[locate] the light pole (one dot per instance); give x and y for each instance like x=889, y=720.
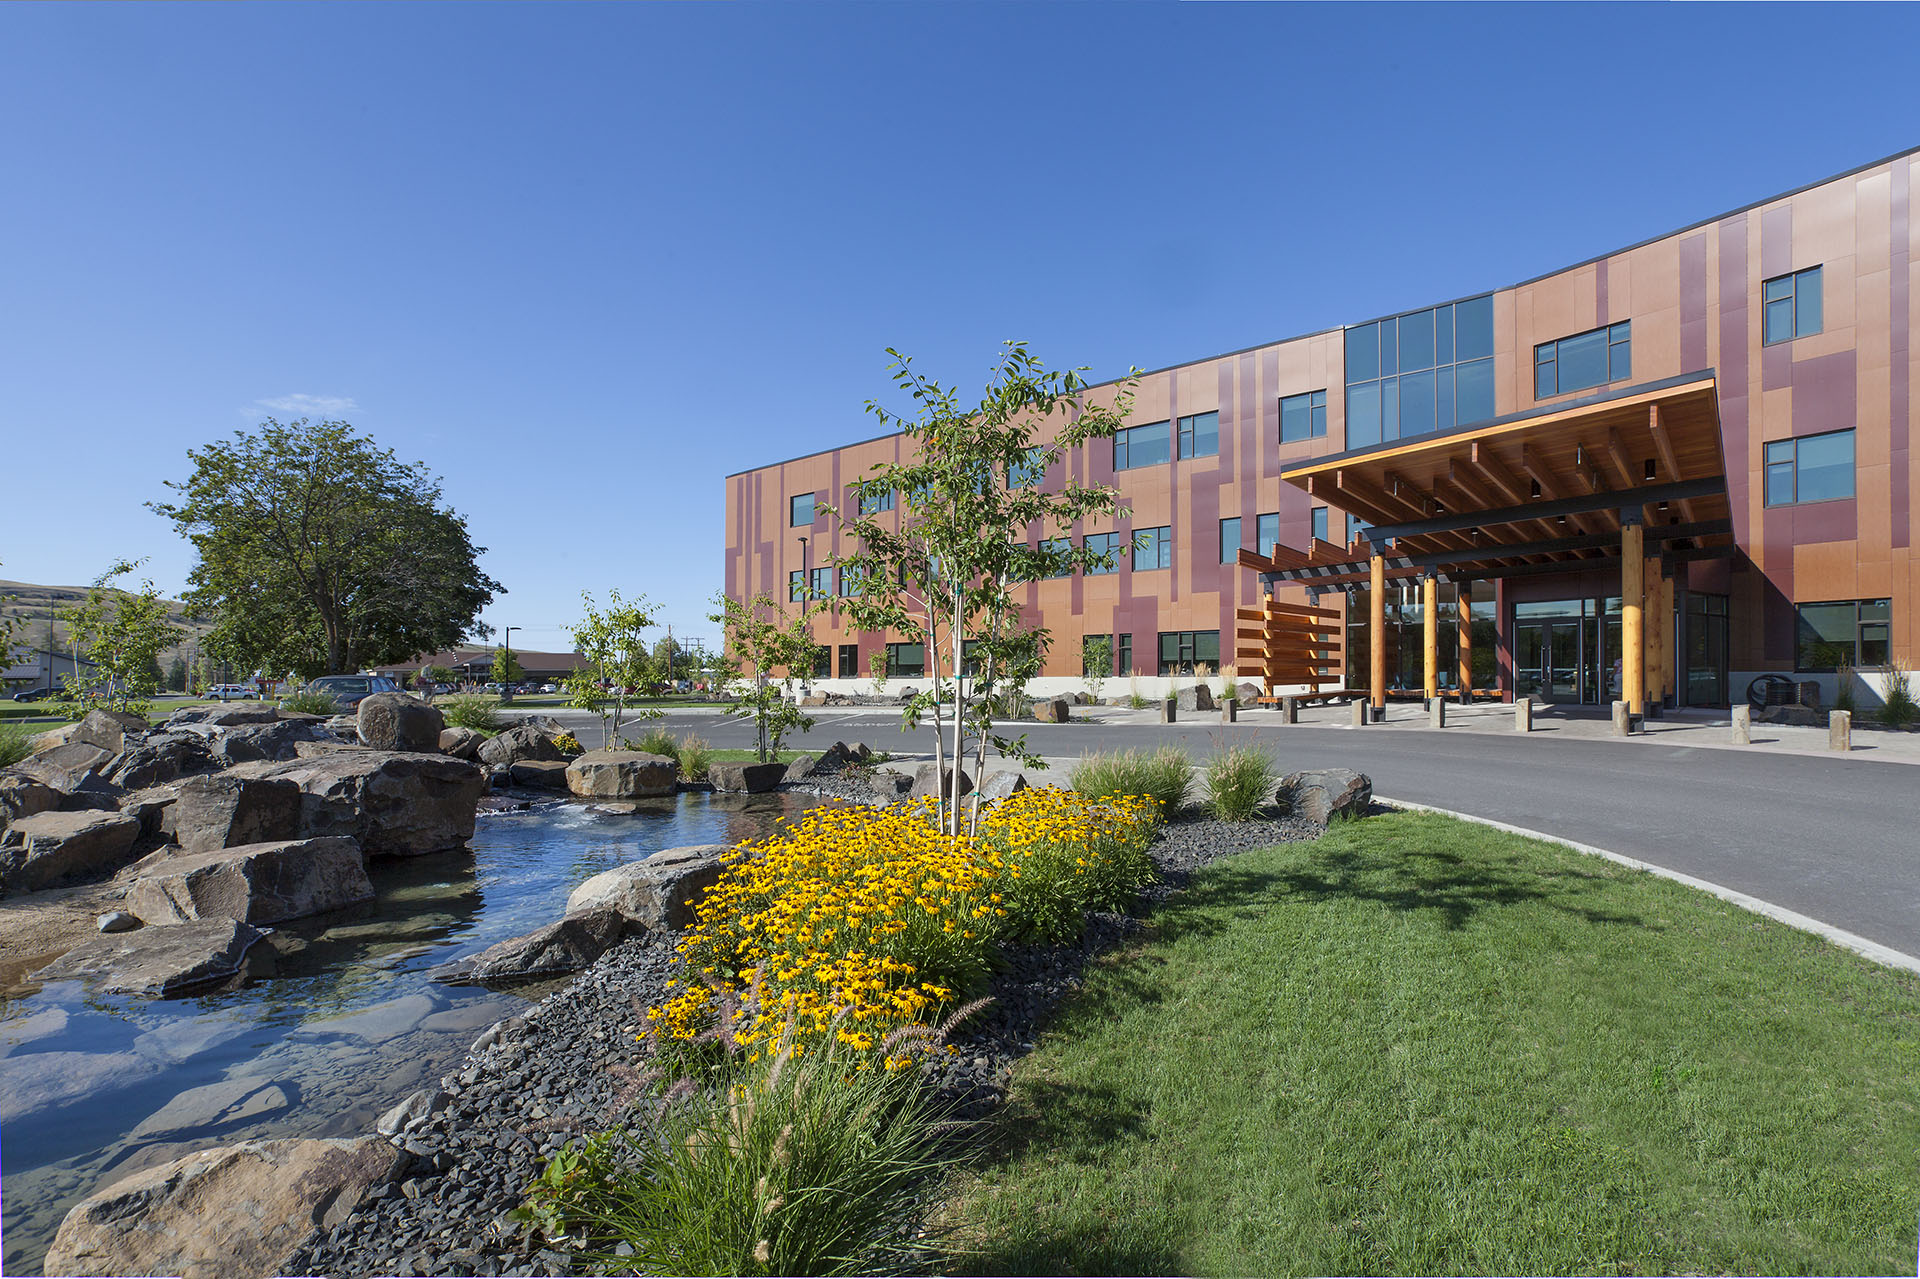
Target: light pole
x=506, y=682
x=806, y=578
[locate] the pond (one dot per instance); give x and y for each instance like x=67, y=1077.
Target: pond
x=339, y=1023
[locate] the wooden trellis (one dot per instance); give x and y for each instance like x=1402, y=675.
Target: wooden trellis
x=1294, y=643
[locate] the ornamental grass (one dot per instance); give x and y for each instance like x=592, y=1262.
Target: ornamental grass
x=857, y=922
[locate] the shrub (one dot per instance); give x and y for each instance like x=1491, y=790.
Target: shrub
x=1169, y=773
x=16, y=743
x=1134, y=697
x=1843, y=694
x=568, y=744
x=482, y=714
x=1162, y=776
x=696, y=757
x=1897, y=705
x=807, y=1162
x=1238, y=783
x=658, y=741
x=310, y=702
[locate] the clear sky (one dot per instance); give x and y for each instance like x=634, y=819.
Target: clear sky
x=587, y=260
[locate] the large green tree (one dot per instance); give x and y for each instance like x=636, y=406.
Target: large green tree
x=321, y=553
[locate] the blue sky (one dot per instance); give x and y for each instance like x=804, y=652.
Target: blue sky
x=587, y=260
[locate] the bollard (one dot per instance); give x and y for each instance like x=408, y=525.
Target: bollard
x=1840, y=731
x=1229, y=712
x=1622, y=721
x=1359, y=712
x=1289, y=710
x=1169, y=710
x=1743, y=725
x=1523, y=714
x=1436, y=712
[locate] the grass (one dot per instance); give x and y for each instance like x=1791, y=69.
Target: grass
x=16, y=743
x=1421, y=1046
x=472, y=710
x=1164, y=776
x=1238, y=783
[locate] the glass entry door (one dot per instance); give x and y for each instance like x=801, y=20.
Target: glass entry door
x=1546, y=660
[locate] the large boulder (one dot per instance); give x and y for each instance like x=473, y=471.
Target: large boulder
x=930, y=781
x=539, y=774
x=228, y=810
x=23, y=796
x=802, y=769
x=521, y=743
x=260, y=883
x=1056, y=710
x=1197, y=698
x=344, y=727
x=1247, y=693
x=1002, y=783
x=226, y=715
x=461, y=743
x=621, y=775
x=159, y=961
x=888, y=784
x=393, y=803
x=224, y=1213
x=158, y=759
x=1321, y=794
x=41, y=850
x=107, y=730
x=565, y=946
x=657, y=893
x=751, y=779
x=400, y=722
x=279, y=739
x=75, y=766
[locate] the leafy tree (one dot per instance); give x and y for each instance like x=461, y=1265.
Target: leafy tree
x=320, y=553
x=668, y=655
x=122, y=633
x=1096, y=663
x=969, y=496
x=506, y=667
x=759, y=634
x=177, y=674
x=616, y=662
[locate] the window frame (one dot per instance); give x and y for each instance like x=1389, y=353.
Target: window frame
x=793, y=510
x=896, y=671
x=1233, y=556
x=1159, y=546
x=1315, y=407
x=1619, y=340
x=1112, y=548
x=797, y=586
x=1186, y=646
x=1793, y=442
x=1883, y=623
x=1793, y=296
x=876, y=503
x=1050, y=544
x=1187, y=433
x=849, y=661
x=1123, y=445
x=1318, y=523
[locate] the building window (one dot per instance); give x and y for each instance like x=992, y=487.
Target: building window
x=1303, y=417
x=874, y=503
x=1153, y=548
x=1123, y=650
x=909, y=660
x=1230, y=540
x=1058, y=546
x=1810, y=468
x=800, y=509
x=822, y=583
x=822, y=662
x=1200, y=435
x=1792, y=305
x=1844, y=633
x=796, y=585
x=1421, y=372
x=1317, y=523
x=1267, y=533
x=1107, y=544
x=849, y=580
x=1087, y=643
x=1139, y=446
x=1181, y=651
x=1593, y=358
x=849, y=661
x=1029, y=473
x=1356, y=529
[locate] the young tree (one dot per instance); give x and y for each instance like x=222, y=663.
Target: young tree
x=617, y=662
x=319, y=552
x=177, y=674
x=970, y=493
x=123, y=633
x=668, y=657
x=506, y=667
x=759, y=634
x=1096, y=663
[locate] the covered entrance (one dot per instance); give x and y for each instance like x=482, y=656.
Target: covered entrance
x=1567, y=651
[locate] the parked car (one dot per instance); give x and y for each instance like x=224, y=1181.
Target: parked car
x=549, y=688
x=38, y=694
x=348, y=691
x=234, y=692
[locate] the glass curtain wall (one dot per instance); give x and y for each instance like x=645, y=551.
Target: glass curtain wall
x=1406, y=636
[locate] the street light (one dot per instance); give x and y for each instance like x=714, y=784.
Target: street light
x=806, y=578
x=506, y=682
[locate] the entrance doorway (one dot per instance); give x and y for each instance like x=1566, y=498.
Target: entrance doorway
x=1567, y=651
x=1546, y=660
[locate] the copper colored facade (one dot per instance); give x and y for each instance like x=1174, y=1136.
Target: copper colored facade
x=1695, y=304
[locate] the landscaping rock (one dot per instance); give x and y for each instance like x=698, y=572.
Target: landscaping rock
x=73, y=767
x=419, y=1107
x=260, y=883
x=276, y=740
x=150, y=807
x=228, y=810
x=890, y=784
x=1002, y=783
x=521, y=743
x=1057, y=710
x=930, y=782
x=461, y=743
x=800, y=770
x=106, y=730
x=1197, y=698
x=1322, y=794
x=539, y=774
x=118, y=921
x=393, y=803
x=226, y=716
x=565, y=946
x=658, y=892
x=224, y=1213
x=159, y=961
x=41, y=850
x=23, y=796
x=751, y=779
x=621, y=775
x=344, y=727
x=1247, y=694
x=399, y=722
x=160, y=758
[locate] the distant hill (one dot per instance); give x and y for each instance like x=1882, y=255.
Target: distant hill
x=29, y=603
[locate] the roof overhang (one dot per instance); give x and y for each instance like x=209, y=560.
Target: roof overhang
x=1537, y=492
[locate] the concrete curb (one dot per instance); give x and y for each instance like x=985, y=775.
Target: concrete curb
x=1859, y=945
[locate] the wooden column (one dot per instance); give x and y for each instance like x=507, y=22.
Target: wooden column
x=1650, y=623
x=1633, y=648
x=1466, y=644
x=1669, y=648
x=1430, y=609
x=1377, y=635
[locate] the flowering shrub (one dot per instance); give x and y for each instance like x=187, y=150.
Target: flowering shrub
x=859, y=921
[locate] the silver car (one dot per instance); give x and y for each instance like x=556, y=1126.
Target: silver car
x=348, y=691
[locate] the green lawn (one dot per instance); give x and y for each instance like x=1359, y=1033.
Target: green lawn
x=1422, y=1046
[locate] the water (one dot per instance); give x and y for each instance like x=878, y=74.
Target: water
x=339, y=1023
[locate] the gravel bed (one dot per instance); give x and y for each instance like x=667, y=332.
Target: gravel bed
x=533, y=1080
